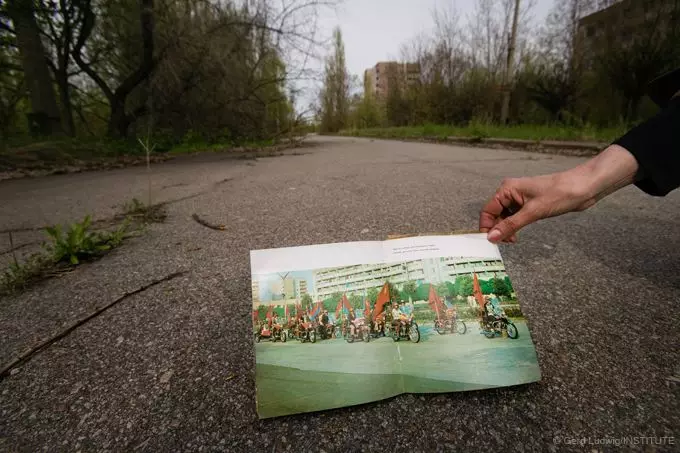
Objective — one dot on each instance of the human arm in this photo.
(648, 155)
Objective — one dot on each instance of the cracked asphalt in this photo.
(172, 368)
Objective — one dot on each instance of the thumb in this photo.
(508, 227)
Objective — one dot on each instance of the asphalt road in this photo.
(172, 368)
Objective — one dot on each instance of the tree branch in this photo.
(86, 28)
(148, 63)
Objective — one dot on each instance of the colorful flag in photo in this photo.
(383, 298)
(270, 312)
(477, 291)
(338, 308)
(315, 310)
(346, 306)
(285, 311)
(435, 302)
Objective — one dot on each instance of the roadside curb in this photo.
(541, 146)
(245, 153)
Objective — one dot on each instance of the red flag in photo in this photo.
(270, 315)
(477, 291)
(367, 308)
(346, 305)
(435, 302)
(316, 310)
(383, 298)
(338, 308)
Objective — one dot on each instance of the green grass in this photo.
(482, 130)
(50, 154)
(53, 153)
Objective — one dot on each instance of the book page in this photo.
(342, 324)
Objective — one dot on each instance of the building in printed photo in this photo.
(361, 278)
(379, 78)
(300, 288)
(256, 291)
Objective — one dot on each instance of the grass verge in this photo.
(483, 131)
(61, 156)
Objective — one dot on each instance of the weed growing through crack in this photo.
(64, 249)
(79, 242)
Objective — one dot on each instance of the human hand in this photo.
(519, 202)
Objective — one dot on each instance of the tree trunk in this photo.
(63, 56)
(505, 103)
(66, 109)
(44, 118)
(119, 120)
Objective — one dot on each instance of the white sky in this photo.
(374, 30)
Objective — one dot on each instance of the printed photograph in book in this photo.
(338, 336)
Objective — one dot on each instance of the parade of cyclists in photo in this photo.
(389, 317)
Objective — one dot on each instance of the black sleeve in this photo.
(656, 146)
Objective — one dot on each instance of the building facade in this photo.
(624, 22)
(300, 288)
(360, 278)
(379, 78)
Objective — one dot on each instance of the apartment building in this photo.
(625, 21)
(379, 78)
(361, 278)
(300, 287)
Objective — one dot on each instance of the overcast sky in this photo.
(374, 30)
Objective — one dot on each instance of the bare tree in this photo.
(334, 96)
(558, 84)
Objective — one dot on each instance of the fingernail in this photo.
(494, 235)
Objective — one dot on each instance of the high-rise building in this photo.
(379, 78)
(360, 278)
(300, 288)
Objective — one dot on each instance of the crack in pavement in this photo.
(29, 353)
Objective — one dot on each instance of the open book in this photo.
(336, 325)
